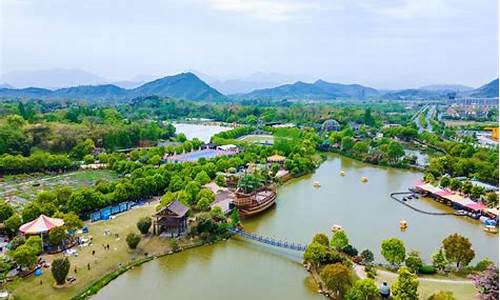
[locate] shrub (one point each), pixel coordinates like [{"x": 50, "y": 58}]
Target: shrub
[
  {"x": 442, "y": 295},
  {"x": 321, "y": 239},
  {"x": 60, "y": 269},
  {"x": 370, "y": 271},
  {"x": 427, "y": 269},
  {"x": 483, "y": 265},
  {"x": 144, "y": 224},
  {"x": 350, "y": 250},
  {"x": 133, "y": 240},
  {"x": 367, "y": 256}
]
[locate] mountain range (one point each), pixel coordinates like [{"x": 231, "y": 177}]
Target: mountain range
[
  {"x": 180, "y": 86},
  {"x": 190, "y": 87}
]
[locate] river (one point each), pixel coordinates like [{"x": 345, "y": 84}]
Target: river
[{"x": 237, "y": 269}]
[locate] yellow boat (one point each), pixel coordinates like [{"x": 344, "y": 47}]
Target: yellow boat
[
  {"x": 364, "y": 179},
  {"x": 403, "y": 225},
  {"x": 336, "y": 228},
  {"x": 342, "y": 173},
  {"x": 490, "y": 229}
]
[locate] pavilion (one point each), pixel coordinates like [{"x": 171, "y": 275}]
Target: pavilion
[{"x": 171, "y": 219}]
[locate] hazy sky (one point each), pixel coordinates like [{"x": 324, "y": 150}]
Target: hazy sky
[{"x": 382, "y": 43}]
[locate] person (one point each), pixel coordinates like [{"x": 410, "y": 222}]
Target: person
[
  {"x": 93, "y": 252},
  {"x": 88, "y": 266},
  {"x": 385, "y": 291}
]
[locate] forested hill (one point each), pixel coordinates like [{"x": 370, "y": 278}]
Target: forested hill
[
  {"x": 319, "y": 90},
  {"x": 181, "y": 86},
  {"x": 489, "y": 90}
]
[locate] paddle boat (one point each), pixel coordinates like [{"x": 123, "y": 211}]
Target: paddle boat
[
  {"x": 342, "y": 173},
  {"x": 317, "y": 184},
  {"x": 364, "y": 179},
  {"x": 336, "y": 228},
  {"x": 403, "y": 225}
]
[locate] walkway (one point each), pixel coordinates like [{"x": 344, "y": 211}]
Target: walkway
[
  {"x": 269, "y": 241},
  {"x": 393, "y": 196},
  {"x": 360, "y": 271}
]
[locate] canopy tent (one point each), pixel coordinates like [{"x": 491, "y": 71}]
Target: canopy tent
[
  {"x": 41, "y": 225},
  {"x": 476, "y": 206},
  {"x": 276, "y": 159}
]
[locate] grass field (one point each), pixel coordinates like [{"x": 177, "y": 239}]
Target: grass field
[
  {"x": 252, "y": 138},
  {"x": 104, "y": 261},
  {"x": 456, "y": 123},
  {"x": 19, "y": 190},
  {"x": 461, "y": 290}
]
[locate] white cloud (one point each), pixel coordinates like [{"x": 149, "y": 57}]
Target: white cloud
[
  {"x": 409, "y": 8},
  {"x": 271, "y": 10}
]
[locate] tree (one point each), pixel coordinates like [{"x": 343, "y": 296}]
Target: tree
[
  {"x": 367, "y": 256},
  {"x": 455, "y": 184},
  {"x": 321, "y": 239},
  {"x": 336, "y": 278},
  {"x": 458, "y": 249},
  {"x": 347, "y": 143},
  {"x": 60, "y": 269},
  {"x": 445, "y": 181},
  {"x": 220, "y": 180},
  {"x": 235, "y": 217},
  {"x": 363, "y": 289},
  {"x": 133, "y": 240},
  {"x": 487, "y": 283},
  {"x": 439, "y": 261},
  {"x": 339, "y": 240},
  {"x": 57, "y": 236},
  {"x": 12, "y": 224},
  {"x": 393, "y": 250},
  {"x": 203, "y": 204},
  {"x": 350, "y": 250},
  {"x": 82, "y": 149},
  {"x": 492, "y": 199},
  {"x": 442, "y": 295},
  {"x": 24, "y": 256},
  {"x": 144, "y": 224},
  {"x": 406, "y": 287},
  {"x": 413, "y": 261},
  {"x": 6, "y": 211},
  {"x": 315, "y": 253},
  {"x": 202, "y": 178},
  {"x": 477, "y": 192}
]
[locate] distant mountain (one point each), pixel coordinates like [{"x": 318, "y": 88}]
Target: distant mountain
[
  {"x": 52, "y": 78},
  {"x": 237, "y": 86},
  {"x": 415, "y": 94},
  {"x": 181, "y": 86},
  {"x": 446, "y": 88},
  {"x": 6, "y": 86},
  {"x": 319, "y": 90},
  {"x": 489, "y": 90},
  {"x": 95, "y": 92}
]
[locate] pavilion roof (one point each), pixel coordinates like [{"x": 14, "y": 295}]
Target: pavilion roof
[
  {"x": 177, "y": 208},
  {"x": 40, "y": 225}
]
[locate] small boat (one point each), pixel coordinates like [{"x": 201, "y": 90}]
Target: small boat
[
  {"x": 364, "y": 179},
  {"x": 342, "y": 173},
  {"x": 336, "y": 228},
  {"x": 4, "y": 295},
  {"x": 316, "y": 184},
  {"x": 490, "y": 229},
  {"x": 461, "y": 212},
  {"x": 403, "y": 225}
]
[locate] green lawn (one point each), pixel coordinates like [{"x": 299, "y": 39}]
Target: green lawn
[
  {"x": 104, "y": 261},
  {"x": 252, "y": 138},
  {"x": 461, "y": 291}
]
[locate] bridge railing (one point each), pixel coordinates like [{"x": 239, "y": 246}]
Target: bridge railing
[{"x": 268, "y": 241}]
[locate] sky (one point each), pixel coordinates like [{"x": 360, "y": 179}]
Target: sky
[{"x": 380, "y": 43}]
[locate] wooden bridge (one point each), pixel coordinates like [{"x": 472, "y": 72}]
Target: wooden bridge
[{"x": 268, "y": 241}]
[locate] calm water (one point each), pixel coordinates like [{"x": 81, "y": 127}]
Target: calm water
[
  {"x": 203, "y": 132},
  {"x": 243, "y": 270}
]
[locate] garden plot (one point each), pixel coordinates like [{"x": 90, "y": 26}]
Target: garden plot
[{"x": 19, "y": 190}]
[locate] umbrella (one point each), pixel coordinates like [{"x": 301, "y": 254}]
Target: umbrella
[{"x": 40, "y": 225}]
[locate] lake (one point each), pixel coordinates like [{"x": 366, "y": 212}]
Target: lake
[
  {"x": 245, "y": 270},
  {"x": 202, "y": 132}
]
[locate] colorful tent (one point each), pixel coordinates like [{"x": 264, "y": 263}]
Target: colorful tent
[{"x": 40, "y": 225}]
